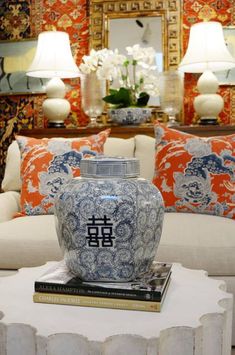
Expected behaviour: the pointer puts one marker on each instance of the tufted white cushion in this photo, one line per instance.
(12, 180)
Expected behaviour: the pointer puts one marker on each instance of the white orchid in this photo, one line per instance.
(110, 68)
(148, 80)
(93, 61)
(144, 56)
(135, 74)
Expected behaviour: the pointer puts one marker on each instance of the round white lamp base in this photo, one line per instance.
(55, 107)
(56, 110)
(208, 107)
(208, 104)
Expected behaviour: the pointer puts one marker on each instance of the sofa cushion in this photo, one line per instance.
(144, 151)
(199, 241)
(28, 241)
(195, 240)
(119, 147)
(195, 174)
(9, 205)
(47, 164)
(12, 180)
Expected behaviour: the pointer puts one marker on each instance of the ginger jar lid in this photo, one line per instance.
(105, 166)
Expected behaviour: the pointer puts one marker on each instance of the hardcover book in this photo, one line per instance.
(149, 287)
(100, 302)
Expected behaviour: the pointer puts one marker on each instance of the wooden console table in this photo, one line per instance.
(125, 131)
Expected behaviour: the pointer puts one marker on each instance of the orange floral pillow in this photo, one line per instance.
(46, 164)
(195, 174)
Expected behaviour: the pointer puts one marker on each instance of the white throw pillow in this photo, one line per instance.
(119, 147)
(11, 180)
(145, 152)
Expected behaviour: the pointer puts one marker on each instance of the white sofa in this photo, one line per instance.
(197, 241)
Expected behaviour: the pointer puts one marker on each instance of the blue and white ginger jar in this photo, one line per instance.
(109, 221)
(130, 115)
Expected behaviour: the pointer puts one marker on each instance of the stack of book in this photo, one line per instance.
(59, 286)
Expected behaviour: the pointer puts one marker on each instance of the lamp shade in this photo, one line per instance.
(53, 57)
(206, 49)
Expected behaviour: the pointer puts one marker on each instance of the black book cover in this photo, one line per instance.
(150, 286)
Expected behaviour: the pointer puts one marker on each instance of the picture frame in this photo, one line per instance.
(227, 77)
(15, 58)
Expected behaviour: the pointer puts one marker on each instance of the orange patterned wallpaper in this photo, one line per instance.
(211, 10)
(70, 16)
(26, 19)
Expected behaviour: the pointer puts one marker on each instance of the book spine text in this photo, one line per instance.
(100, 302)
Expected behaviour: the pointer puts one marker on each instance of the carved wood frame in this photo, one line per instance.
(170, 10)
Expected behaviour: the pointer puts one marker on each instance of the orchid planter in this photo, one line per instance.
(130, 115)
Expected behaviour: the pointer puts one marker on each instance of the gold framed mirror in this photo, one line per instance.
(148, 30)
(168, 11)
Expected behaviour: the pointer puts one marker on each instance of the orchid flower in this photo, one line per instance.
(135, 73)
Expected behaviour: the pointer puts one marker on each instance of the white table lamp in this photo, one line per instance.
(53, 59)
(207, 53)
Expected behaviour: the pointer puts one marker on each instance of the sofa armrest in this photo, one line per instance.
(9, 205)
